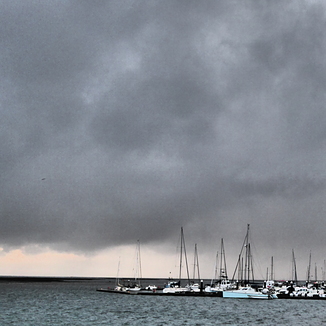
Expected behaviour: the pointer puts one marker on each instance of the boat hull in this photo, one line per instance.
(262, 296)
(288, 296)
(248, 295)
(161, 293)
(236, 295)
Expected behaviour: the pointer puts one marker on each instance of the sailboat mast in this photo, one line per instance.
(247, 257)
(196, 265)
(246, 266)
(294, 268)
(186, 260)
(237, 269)
(117, 280)
(242, 267)
(316, 277)
(309, 266)
(215, 267)
(139, 263)
(250, 266)
(223, 271)
(181, 254)
(183, 249)
(241, 270)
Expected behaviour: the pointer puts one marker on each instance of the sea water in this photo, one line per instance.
(78, 303)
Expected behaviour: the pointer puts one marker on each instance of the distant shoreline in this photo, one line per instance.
(49, 278)
(6, 278)
(154, 280)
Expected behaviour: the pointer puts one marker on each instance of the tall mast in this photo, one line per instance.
(308, 270)
(137, 269)
(117, 281)
(241, 270)
(245, 267)
(250, 265)
(316, 277)
(238, 268)
(294, 269)
(223, 271)
(196, 265)
(140, 276)
(215, 269)
(247, 257)
(183, 250)
(181, 254)
(270, 277)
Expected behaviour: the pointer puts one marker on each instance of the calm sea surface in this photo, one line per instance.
(78, 303)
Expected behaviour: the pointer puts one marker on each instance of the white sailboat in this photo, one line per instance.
(132, 286)
(245, 274)
(195, 284)
(175, 286)
(220, 283)
(135, 286)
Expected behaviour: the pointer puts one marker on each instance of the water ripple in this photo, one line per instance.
(77, 303)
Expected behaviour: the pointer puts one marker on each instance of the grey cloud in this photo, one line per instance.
(145, 116)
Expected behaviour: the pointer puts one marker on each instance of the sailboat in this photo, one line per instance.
(245, 272)
(309, 271)
(132, 286)
(288, 288)
(135, 286)
(175, 286)
(195, 284)
(221, 282)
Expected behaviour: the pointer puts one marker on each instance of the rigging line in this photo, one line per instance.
(215, 269)
(237, 267)
(185, 253)
(256, 261)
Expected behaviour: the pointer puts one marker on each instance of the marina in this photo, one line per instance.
(257, 293)
(242, 287)
(162, 293)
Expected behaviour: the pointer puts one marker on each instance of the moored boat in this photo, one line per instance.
(174, 287)
(249, 293)
(241, 293)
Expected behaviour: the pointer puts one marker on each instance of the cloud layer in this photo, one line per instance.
(126, 120)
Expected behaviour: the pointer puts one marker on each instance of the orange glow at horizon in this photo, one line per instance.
(20, 262)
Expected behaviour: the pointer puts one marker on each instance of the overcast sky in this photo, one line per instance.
(125, 120)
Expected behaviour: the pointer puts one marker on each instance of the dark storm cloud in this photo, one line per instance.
(125, 120)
